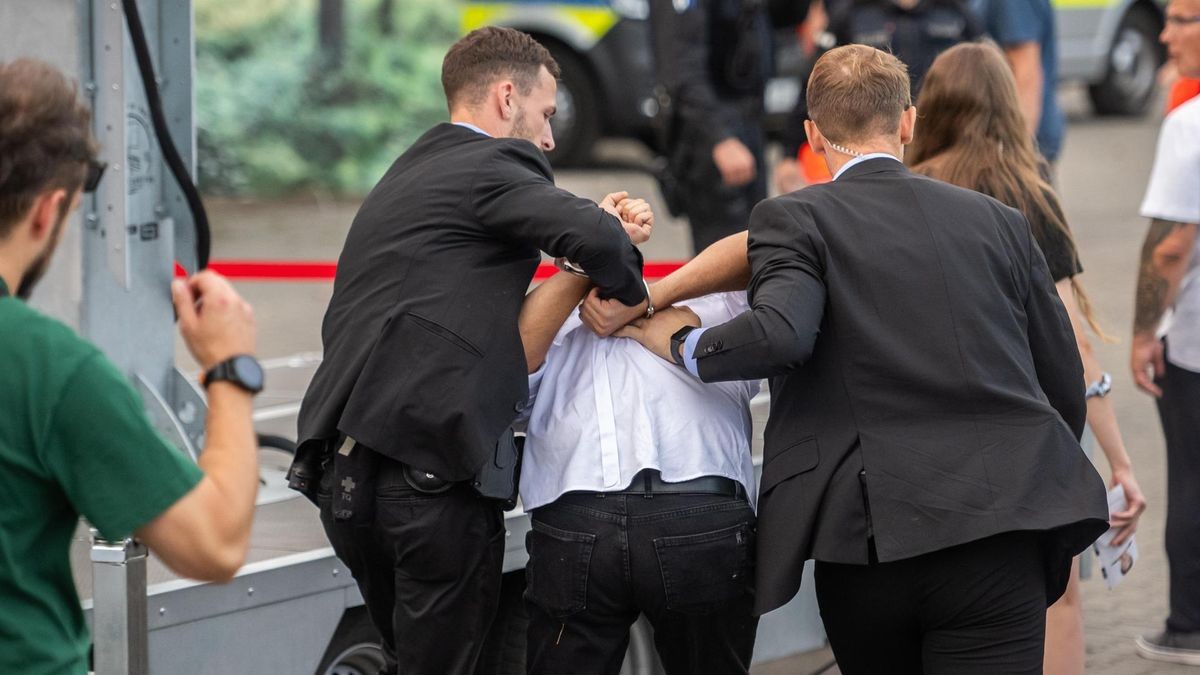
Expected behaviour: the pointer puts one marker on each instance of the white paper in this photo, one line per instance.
(1115, 561)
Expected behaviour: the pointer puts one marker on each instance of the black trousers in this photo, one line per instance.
(1179, 410)
(975, 608)
(714, 209)
(597, 562)
(429, 569)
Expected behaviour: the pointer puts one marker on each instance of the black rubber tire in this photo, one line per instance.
(577, 123)
(355, 648)
(1131, 78)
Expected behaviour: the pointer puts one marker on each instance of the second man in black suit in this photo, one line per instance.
(926, 397)
(424, 370)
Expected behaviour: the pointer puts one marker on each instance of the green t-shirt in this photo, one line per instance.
(74, 440)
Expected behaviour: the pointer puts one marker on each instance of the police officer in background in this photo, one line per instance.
(712, 59)
(916, 31)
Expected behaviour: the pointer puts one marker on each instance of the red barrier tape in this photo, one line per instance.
(275, 270)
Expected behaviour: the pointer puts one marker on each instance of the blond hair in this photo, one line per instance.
(857, 92)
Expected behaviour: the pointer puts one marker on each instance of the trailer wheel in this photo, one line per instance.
(355, 648)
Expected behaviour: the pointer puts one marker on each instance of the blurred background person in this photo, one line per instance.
(798, 164)
(972, 135)
(1165, 354)
(916, 31)
(1025, 30)
(712, 59)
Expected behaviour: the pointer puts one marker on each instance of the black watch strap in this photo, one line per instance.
(677, 344)
(242, 370)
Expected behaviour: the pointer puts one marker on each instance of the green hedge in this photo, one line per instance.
(272, 120)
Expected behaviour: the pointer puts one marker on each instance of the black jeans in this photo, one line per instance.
(598, 561)
(714, 209)
(975, 608)
(1179, 410)
(428, 567)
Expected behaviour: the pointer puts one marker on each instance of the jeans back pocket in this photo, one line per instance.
(556, 576)
(702, 572)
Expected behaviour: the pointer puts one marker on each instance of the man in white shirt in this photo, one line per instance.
(640, 486)
(1166, 355)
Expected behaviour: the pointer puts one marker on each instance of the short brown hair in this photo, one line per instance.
(45, 137)
(488, 54)
(856, 92)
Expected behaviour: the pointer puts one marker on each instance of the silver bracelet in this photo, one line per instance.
(649, 302)
(1100, 387)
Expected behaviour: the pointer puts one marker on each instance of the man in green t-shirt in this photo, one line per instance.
(74, 437)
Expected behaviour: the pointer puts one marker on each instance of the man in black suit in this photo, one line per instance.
(926, 400)
(424, 370)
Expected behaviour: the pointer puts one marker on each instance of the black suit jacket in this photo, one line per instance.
(423, 361)
(927, 389)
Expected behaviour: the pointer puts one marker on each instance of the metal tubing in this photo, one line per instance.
(119, 610)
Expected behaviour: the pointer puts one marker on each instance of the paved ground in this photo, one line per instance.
(1102, 176)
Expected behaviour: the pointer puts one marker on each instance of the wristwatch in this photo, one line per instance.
(1100, 387)
(677, 344)
(242, 370)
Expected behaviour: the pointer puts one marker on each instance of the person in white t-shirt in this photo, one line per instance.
(1166, 338)
(641, 488)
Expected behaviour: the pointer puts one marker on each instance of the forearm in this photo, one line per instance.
(545, 310)
(718, 268)
(776, 336)
(1026, 63)
(230, 462)
(1100, 415)
(1103, 421)
(1166, 253)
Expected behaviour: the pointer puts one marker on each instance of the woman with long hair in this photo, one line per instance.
(972, 134)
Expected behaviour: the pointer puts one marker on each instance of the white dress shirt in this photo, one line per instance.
(603, 409)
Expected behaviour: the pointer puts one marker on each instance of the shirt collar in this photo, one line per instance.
(861, 159)
(4, 286)
(472, 127)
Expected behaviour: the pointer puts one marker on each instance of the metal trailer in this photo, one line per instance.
(294, 607)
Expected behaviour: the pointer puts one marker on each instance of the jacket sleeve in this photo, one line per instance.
(787, 302)
(514, 196)
(681, 63)
(1052, 340)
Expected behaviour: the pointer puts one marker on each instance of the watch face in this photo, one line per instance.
(247, 370)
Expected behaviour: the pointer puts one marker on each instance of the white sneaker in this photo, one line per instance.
(1170, 647)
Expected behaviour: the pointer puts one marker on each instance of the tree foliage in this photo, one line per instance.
(273, 119)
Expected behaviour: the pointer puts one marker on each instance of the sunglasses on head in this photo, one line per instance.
(95, 170)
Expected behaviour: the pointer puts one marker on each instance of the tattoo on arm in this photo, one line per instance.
(1152, 286)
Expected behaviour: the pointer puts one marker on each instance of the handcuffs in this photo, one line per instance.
(571, 268)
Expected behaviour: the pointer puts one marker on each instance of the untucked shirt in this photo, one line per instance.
(74, 439)
(603, 409)
(1174, 194)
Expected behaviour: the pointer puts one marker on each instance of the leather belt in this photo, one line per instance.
(649, 482)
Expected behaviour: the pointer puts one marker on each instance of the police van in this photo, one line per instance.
(607, 74)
